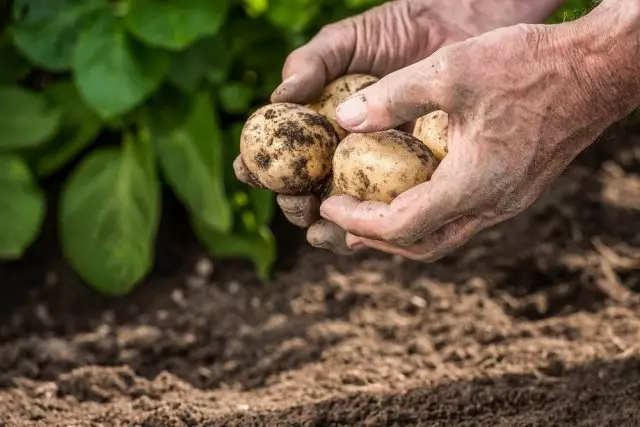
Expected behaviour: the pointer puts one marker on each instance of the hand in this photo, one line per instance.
(522, 101)
(382, 40)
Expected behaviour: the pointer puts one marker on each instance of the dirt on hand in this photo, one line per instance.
(535, 322)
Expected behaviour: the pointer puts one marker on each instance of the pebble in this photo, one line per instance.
(204, 268)
(233, 288)
(418, 302)
(177, 296)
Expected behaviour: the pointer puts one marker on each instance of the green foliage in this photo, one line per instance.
(572, 9)
(130, 95)
(125, 96)
(109, 214)
(22, 207)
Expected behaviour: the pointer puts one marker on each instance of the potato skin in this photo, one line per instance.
(432, 130)
(379, 166)
(288, 148)
(336, 92)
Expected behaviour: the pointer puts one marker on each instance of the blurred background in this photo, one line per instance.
(109, 107)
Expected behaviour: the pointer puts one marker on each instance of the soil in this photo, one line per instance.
(535, 322)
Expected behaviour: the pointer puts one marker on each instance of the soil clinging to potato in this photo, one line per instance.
(288, 148)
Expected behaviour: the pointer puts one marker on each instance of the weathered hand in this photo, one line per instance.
(382, 40)
(522, 101)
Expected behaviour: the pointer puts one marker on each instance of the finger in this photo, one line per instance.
(327, 235)
(401, 97)
(301, 211)
(308, 68)
(416, 212)
(244, 175)
(434, 246)
(354, 242)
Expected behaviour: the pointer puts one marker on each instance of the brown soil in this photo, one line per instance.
(535, 322)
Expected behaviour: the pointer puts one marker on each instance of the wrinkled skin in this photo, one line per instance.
(522, 100)
(378, 42)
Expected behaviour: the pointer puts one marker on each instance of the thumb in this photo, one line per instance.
(308, 68)
(399, 97)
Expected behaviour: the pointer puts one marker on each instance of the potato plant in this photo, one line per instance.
(123, 97)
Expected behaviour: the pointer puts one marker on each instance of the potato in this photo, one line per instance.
(336, 92)
(288, 148)
(379, 166)
(432, 130)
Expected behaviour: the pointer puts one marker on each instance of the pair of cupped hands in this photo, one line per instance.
(522, 102)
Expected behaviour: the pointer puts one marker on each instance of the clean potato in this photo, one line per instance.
(379, 166)
(336, 92)
(432, 130)
(288, 148)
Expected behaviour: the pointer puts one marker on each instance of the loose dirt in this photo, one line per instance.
(535, 322)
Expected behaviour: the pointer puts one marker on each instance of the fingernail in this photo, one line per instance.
(286, 82)
(324, 214)
(357, 245)
(353, 111)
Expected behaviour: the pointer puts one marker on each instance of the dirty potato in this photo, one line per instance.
(379, 166)
(432, 130)
(336, 92)
(288, 148)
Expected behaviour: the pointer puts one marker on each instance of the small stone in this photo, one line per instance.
(477, 283)
(204, 372)
(42, 313)
(138, 336)
(196, 282)
(418, 302)
(103, 330)
(108, 317)
(233, 287)
(204, 268)
(46, 390)
(242, 407)
(177, 296)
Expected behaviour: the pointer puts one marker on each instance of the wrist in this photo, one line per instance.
(604, 50)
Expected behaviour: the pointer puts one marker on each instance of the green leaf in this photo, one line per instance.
(167, 109)
(236, 97)
(190, 66)
(293, 15)
(259, 247)
(80, 127)
(357, 4)
(263, 204)
(113, 72)
(109, 216)
(255, 8)
(12, 65)
(572, 10)
(175, 24)
(26, 119)
(22, 207)
(231, 151)
(191, 158)
(47, 31)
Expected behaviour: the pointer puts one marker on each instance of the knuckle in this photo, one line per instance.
(335, 29)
